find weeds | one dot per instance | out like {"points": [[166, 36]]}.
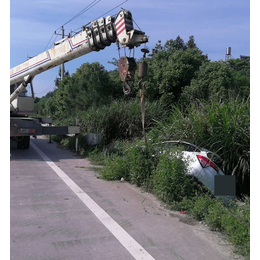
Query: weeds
{"points": [[117, 167], [171, 183], [120, 120], [142, 162], [222, 128], [233, 220], [165, 176]]}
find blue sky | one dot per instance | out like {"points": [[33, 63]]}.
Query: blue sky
{"points": [[214, 24]]}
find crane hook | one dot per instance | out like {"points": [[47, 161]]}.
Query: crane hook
{"points": [[126, 89]]}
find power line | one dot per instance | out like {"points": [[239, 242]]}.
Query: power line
{"points": [[51, 39], [49, 42], [52, 85], [92, 4], [112, 9], [75, 30]]}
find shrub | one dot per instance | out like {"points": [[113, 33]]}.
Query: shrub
{"points": [[232, 219], [69, 142], [236, 223], [214, 216], [170, 181], [134, 162], [116, 167], [120, 120], [142, 160], [201, 206]]}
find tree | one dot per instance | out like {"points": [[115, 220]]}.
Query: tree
{"points": [[175, 45], [36, 100], [217, 81], [90, 86], [57, 80], [114, 62], [191, 42], [158, 47], [39, 104], [171, 68], [241, 76]]}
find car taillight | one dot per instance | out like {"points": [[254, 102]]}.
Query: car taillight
{"points": [[205, 162]]}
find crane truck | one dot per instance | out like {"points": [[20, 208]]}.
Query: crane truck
{"points": [[94, 36]]}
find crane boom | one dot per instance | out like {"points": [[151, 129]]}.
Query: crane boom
{"points": [[100, 34], [95, 37]]}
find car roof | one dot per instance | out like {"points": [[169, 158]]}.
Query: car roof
{"points": [[180, 142]]}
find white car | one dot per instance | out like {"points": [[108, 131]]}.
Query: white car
{"points": [[201, 162]]}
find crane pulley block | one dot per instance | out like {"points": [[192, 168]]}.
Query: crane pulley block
{"points": [[142, 72], [143, 66], [127, 67]]}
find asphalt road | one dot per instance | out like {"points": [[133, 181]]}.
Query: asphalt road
{"points": [[60, 210]]}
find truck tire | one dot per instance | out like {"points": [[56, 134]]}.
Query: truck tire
{"points": [[24, 143]]}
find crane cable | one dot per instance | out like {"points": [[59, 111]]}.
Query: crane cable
{"points": [[143, 67], [142, 90]]}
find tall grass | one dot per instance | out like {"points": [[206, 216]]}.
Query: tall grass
{"points": [[221, 128], [120, 120]]}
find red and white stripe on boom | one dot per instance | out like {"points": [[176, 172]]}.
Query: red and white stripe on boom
{"points": [[120, 26]]}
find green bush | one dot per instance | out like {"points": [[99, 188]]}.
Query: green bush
{"points": [[69, 142], [134, 163], [236, 223], [116, 167], [96, 156], [233, 219], [171, 184], [142, 160], [215, 213], [166, 178], [201, 206]]}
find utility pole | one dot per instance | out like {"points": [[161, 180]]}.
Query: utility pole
{"points": [[62, 65]]}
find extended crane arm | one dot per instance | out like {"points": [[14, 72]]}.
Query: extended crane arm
{"points": [[93, 37], [97, 36]]}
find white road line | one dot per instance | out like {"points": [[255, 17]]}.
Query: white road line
{"points": [[132, 246]]}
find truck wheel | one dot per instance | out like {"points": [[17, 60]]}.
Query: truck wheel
{"points": [[24, 143]]}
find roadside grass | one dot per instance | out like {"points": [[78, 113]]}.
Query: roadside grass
{"points": [[166, 178], [170, 181], [232, 220], [223, 128], [120, 120], [220, 127]]}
